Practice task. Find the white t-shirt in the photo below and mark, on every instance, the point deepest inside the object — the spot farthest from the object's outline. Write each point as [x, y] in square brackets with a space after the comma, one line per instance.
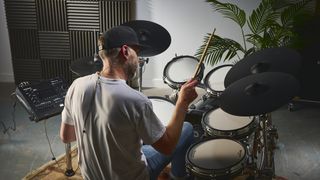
[118, 120]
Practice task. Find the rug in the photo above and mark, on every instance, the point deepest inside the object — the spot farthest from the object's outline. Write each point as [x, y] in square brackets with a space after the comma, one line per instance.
[55, 170]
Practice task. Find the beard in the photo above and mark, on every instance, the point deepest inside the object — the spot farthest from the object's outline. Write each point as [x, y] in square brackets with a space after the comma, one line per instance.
[131, 69]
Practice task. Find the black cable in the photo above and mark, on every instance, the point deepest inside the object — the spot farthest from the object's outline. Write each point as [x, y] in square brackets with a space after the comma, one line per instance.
[5, 128]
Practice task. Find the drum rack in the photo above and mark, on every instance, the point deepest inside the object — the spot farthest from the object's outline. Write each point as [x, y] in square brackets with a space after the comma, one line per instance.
[260, 163]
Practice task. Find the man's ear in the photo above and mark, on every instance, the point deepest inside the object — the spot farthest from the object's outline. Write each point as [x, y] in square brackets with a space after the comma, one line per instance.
[124, 51]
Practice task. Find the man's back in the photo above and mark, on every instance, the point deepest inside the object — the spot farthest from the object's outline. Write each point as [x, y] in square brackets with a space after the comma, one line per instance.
[110, 146]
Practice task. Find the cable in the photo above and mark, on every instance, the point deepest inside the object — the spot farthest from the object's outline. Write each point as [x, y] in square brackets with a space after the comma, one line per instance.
[5, 128]
[53, 156]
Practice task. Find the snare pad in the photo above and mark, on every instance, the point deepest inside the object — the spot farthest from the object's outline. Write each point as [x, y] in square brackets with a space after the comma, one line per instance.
[219, 123]
[163, 108]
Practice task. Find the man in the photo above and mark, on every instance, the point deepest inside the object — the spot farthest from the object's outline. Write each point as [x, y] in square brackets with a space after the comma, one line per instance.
[118, 135]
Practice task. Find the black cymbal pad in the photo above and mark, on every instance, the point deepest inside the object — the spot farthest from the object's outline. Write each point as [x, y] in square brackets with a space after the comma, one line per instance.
[86, 65]
[279, 59]
[152, 36]
[259, 93]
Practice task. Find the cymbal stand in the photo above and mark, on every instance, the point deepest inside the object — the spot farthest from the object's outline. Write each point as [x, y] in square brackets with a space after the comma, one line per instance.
[142, 62]
[269, 136]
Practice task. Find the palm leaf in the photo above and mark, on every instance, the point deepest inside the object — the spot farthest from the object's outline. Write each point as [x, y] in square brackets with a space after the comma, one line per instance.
[230, 11]
[262, 17]
[274, 36]
[255, 40]
[250, 51]
[269, 24]
[290, 12]
[219, 49]
[281, 36]
[269, 39]
[265, 40]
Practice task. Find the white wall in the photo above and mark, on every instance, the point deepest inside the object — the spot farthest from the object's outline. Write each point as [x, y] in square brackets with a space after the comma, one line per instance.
[187, 21]
[6, 70]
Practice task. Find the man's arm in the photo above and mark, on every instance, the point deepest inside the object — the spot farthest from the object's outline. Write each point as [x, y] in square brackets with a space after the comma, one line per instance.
[67, 133]
[167, 143]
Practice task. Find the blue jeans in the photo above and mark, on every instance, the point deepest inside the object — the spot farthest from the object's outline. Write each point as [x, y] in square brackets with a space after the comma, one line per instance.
[157, 161]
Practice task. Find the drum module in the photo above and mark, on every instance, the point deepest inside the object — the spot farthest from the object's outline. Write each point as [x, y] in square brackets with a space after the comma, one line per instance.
[43, 99]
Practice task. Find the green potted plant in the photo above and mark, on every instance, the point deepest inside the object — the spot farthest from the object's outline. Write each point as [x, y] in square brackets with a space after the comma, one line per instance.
[269, 26]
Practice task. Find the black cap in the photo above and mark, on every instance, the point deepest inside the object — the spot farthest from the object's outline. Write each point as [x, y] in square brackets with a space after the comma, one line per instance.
[118, 36]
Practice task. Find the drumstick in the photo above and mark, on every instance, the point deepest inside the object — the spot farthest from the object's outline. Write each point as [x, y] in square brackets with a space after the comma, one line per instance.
[203, 54]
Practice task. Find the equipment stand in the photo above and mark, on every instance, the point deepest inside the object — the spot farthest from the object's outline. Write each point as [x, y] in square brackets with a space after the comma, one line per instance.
[269, 136]
[69, 171]
[142, 62]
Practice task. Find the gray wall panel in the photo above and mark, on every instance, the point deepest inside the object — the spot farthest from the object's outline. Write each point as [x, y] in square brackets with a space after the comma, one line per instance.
[27, 69]
[54, 45]
[21, 14]
[82, 43]
[24, 43]
[56, 67]
[52, 15]
[47, 35]
[114, 13]
[83, 15]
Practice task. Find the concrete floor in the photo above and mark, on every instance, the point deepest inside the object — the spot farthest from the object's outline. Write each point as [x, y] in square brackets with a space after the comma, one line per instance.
[298, 154]
[26, 148]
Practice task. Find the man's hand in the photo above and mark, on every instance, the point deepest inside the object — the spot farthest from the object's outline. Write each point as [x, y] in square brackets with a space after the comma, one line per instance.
[187, 93]
[167, 143]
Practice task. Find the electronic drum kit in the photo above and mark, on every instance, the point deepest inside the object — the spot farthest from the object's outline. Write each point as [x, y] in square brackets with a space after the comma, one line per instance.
[238, 139]
[235, 137]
